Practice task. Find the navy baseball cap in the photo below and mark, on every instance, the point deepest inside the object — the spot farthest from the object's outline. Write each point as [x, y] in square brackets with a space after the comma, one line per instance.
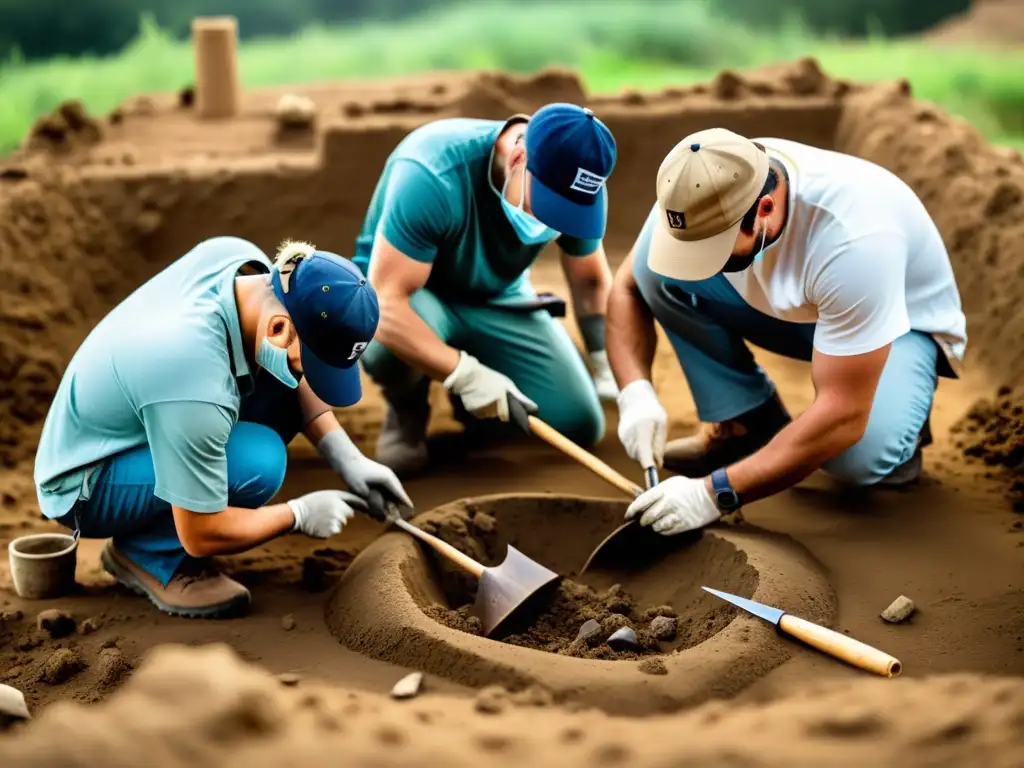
[335, 312]
[570, 154]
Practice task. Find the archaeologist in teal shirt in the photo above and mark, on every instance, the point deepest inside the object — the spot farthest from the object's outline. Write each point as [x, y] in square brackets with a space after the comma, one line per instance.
[168, 431]
[461, 211]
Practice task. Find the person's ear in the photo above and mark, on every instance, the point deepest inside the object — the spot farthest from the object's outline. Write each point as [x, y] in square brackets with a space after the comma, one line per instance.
[766, 206]
[279, 330]
[518, 154]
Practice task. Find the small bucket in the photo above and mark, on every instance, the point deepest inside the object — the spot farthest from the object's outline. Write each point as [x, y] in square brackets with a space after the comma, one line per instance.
[43, 565]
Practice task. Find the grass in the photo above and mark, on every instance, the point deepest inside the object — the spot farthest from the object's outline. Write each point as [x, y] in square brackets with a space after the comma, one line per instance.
[645, 44]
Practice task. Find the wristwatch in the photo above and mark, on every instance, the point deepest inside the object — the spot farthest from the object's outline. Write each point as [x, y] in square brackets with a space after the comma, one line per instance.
[725, 497]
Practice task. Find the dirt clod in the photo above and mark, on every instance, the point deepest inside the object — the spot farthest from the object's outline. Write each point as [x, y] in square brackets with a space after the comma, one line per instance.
[288, 622]
[62, 665]
[113, 667]
[56, 623]
[653, 666]
[492, 700]
[664, 627]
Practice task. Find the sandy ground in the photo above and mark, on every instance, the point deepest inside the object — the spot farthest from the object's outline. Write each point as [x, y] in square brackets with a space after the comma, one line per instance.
[953, 544]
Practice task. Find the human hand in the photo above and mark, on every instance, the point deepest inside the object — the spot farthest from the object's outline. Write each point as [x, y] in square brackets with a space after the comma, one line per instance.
[643, 424]
[483, 390]
[675, 506]
[322, 514]
[604, 379]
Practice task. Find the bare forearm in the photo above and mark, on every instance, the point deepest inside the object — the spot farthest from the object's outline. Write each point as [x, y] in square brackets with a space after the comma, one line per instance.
[403, 332]
[233, 530]
[821, 433]
[631, 336]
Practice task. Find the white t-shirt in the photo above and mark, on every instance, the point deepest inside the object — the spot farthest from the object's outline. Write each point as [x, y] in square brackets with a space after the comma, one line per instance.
[860, 256]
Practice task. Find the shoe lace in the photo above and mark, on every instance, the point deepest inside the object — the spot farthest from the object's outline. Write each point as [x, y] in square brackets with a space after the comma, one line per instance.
[193, 570]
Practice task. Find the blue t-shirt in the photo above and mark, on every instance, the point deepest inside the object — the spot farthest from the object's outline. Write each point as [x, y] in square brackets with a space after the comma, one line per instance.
[165, 367]
[434, 202]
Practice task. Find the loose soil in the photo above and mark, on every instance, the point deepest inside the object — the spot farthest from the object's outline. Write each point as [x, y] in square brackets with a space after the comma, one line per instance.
[91, 207]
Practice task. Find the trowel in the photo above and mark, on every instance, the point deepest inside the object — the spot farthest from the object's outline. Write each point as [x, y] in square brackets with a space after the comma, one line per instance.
[507, 594]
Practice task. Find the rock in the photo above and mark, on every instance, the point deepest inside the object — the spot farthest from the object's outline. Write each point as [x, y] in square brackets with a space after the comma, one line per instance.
[56, 623]
[588, 630]
[12, 704]
[653, 667]
[623, 639]
[492, 700]
[288, 623]
[664, 627]
[90, 625]
[294, 111]
[288, 678]
[899, 611]
[408, 686]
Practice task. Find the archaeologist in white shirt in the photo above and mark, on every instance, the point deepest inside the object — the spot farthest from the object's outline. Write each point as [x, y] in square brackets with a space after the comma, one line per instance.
[808, 253]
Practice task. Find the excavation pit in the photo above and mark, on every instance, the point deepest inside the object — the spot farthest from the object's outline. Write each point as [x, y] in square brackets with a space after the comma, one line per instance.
[401, 602]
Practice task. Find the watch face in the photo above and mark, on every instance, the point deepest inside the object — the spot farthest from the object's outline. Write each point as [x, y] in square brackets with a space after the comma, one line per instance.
[727, 499]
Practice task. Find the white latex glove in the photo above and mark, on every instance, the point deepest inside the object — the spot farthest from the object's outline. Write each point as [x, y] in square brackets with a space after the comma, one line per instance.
[322, 514]
[483, 390]
[643, 424]
[361, 474]
[604, 380]
[674, 506]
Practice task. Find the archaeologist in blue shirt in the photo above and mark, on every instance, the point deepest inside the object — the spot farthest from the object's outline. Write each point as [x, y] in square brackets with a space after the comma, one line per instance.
[168, 431]
[810, 254]
[461, 210]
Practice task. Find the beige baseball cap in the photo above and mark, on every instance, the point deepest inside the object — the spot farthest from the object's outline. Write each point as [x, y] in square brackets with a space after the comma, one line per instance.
[706, 185]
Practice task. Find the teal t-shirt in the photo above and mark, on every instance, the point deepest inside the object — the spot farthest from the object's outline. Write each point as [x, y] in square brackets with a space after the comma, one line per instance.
[434, 203]
[167, 368]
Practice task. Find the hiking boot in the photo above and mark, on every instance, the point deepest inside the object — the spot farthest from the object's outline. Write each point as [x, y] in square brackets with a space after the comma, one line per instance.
[197, 591]
[722, 443]
[910, 471]
[402, 443]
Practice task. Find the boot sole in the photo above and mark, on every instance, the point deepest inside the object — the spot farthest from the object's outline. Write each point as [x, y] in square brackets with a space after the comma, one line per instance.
[124, 577]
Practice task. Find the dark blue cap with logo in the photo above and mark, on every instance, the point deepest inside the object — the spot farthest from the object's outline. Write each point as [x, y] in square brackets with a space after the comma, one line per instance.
[335, 313]
[570, 154]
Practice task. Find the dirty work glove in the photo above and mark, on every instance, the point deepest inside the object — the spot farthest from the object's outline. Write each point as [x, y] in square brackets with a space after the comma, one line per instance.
[643, 424]
[604, 380]
[361, 474]
[483, 390]
[674, 506]
[322, 514]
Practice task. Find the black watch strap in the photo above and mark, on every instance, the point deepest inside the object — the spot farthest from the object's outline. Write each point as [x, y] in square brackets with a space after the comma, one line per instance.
[725, 497]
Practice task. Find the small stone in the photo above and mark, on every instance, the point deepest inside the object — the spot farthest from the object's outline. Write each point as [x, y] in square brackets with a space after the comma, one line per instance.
[288, 623]
[588, 630]
[899, 611]
[288, 678]
[653, 667]
[110, 642]
[664, 628]
[89, 626]
[492, 700]
[56, 623]
[12, 704]
[408, 686]
[623, 639]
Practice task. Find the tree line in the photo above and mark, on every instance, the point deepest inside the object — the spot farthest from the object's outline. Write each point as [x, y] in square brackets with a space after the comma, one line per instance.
[41, 29]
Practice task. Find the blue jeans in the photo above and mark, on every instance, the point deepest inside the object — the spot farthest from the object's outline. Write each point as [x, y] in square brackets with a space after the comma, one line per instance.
[709, 324]
[123, 505]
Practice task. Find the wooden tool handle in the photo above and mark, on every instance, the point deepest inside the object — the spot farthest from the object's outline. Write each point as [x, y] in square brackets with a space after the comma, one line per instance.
[589, 460]
[842, 647]
[446, 549]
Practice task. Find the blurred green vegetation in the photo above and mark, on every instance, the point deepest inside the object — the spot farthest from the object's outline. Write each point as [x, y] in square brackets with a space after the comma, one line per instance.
[645, 44]
[40, 29]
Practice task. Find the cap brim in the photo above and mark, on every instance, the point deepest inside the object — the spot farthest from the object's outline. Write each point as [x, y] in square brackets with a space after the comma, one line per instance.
[690, 259]
[338, 387]
[586, 222]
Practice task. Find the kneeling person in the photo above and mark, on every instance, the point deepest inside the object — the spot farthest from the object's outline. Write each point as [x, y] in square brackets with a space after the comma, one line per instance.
[462, 210]
[168, 431]
[810, 254]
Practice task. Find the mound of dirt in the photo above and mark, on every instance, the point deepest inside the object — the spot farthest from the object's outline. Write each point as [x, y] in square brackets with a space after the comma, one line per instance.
[66, 129]
[205, 707]
[987, 22]
[992, 432]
